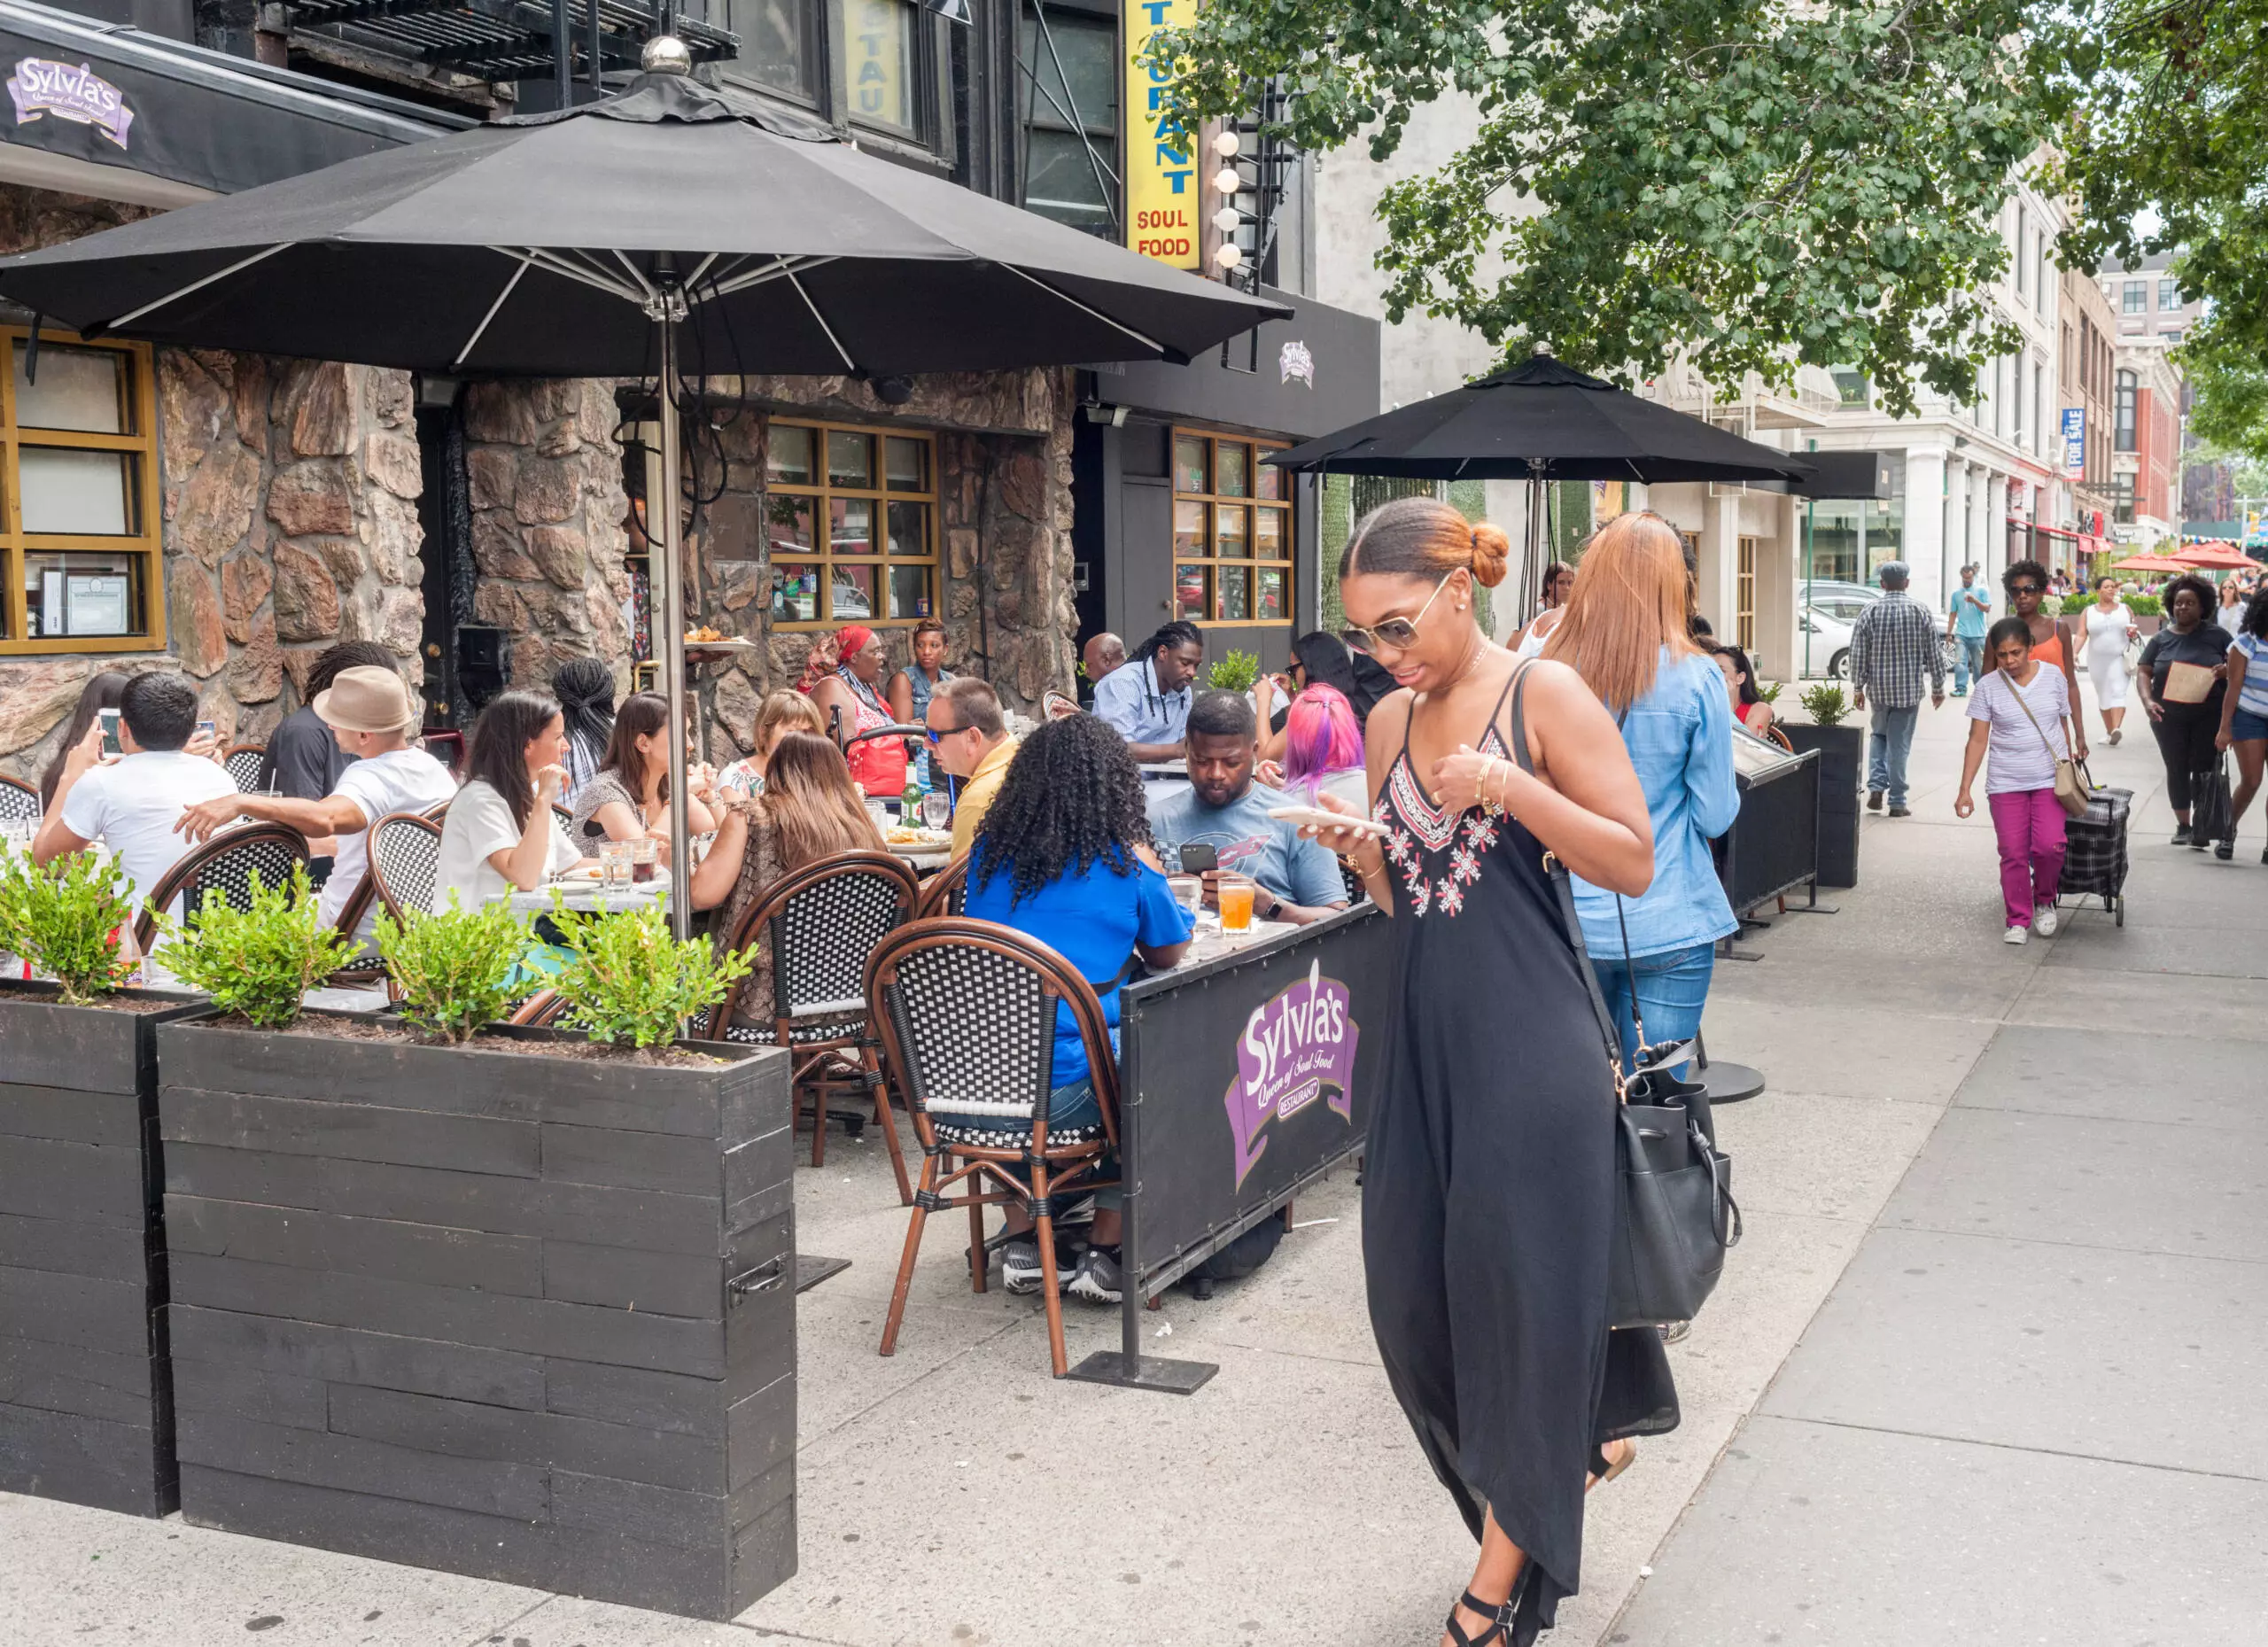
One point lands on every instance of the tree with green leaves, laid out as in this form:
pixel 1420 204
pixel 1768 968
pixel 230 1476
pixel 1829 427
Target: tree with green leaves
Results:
pixel 1750 183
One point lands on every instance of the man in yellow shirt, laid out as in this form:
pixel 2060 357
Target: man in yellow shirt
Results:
pixel 968 737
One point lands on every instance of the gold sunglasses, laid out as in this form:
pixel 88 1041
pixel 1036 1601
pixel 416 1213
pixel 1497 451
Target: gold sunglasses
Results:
pixel 1397 634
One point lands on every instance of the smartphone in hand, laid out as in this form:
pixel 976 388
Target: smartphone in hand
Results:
pixel 109 719
pixel 1198 857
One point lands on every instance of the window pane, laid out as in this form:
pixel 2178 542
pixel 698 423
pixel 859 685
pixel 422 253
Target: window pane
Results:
pixel 908 464
pixel 909 529
pixel 1236 531
pixel 851 526
pixel 1270 545
pixel 1189 471
pixel 1234 464
pixel 1192 592
pixel 791 521
pixel 772 44
pixel 1271 593
pixel 75 494
pixel 795 593
pixel 909 591
pixel 77 388
pixel 878 53
pixel 1061 180
pixel 1235 593
pixel 849 459
pixel 1188 528
pixel 1266 480
pixel 850 594
pixel 787 456
pixel 82 595
pixel 1086 51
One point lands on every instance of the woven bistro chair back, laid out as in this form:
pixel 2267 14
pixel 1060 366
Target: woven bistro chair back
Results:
pixel 968 1011
pixel 405 862
pixel 945 893
pixel 242 762
pixel 225 864
pixel 19 802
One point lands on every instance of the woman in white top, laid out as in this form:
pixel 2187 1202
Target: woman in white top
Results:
pixel 2104 630
pixel 501 832
pixel 2018 712
pixel 1558 584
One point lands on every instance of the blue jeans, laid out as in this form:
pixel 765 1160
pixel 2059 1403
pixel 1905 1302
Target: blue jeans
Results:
pixel 1968 662
pixel 1887 748
pixel 1076 1105
pixel 1669 988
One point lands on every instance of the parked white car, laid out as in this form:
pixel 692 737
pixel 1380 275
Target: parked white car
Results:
pixel 1823 643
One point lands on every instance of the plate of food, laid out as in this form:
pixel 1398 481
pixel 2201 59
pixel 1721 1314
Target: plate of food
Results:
pixel 927 840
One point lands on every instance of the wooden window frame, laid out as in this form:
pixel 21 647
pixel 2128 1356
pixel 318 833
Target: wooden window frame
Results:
pixel 147 542
pixel 1215 438
pixel 1745 595
pixel 822 493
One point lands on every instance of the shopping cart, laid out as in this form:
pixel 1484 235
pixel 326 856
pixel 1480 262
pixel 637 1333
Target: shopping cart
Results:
pixel 2094 852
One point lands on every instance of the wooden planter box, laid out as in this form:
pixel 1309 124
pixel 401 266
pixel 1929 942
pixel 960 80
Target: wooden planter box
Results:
pixel 86 1405
pixel 527 1319
pixel 1842 769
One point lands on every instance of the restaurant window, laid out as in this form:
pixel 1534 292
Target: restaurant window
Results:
pixel 2136 297
pixel 79 543
pixel 2122 499
pixel 851 521
pixel 779 46
pixel 1067 85
pixel 2169 294
pixel 2122 413
pixel 1852 387
pixel 1231 532
pixel 880 64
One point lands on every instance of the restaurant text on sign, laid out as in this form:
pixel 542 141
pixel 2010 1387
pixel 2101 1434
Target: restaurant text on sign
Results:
pixel 1162 192
pixel 1297 1047
pixel 71 92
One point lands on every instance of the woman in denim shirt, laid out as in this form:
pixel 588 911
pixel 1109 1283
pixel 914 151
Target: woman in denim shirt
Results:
pixel 1625 633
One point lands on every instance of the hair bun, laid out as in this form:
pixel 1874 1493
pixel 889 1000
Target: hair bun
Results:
pixel 1491 548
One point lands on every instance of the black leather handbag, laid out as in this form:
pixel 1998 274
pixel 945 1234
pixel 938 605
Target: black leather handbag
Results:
pixel 1676 1215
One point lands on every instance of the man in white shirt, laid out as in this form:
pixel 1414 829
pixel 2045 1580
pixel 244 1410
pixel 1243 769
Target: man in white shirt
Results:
pixel 130 803
pixel 369 711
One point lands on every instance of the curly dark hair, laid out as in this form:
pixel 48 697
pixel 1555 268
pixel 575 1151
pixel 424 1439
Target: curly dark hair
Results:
pixel 2254 621
pixel 1072 799
pixel 2024 571
pixel 2209 599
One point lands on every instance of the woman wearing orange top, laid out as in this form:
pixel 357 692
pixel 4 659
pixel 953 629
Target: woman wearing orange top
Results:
pixel 2051 640
pixel 841 675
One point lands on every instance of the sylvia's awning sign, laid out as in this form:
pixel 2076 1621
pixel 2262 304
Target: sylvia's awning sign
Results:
pixel 73 92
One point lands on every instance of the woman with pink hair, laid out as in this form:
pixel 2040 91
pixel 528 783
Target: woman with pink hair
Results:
pixel 1322 748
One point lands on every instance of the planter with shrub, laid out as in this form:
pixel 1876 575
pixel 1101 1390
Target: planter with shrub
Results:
pixel 511 1302
pixel 86 1406
pixel 1841 771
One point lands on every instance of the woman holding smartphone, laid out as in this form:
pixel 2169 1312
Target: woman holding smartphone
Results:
pixel 1489 1194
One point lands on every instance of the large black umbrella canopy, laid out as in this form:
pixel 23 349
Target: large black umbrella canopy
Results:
pixel 673 226
pixel 1541 420
pixel 532 247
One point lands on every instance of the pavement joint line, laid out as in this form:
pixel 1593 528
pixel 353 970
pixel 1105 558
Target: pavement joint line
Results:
pixel 2085 1246
pixel 505 1628
pixel 2074 1115
pixel 2012 1447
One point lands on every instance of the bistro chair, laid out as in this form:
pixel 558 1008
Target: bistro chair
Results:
pixel 438 811
pixel 967 1011
pixel 225 864
pixel 1055 706
pixel 540 1010
pixel 242 762
pixel 945 893
pixel 404 859
pixel 19 802
pixel 811 933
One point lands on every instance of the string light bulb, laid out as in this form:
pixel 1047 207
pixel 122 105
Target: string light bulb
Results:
pixel 1226 181
pixel 1226 220
pixel 1228 255
pixel 1226 144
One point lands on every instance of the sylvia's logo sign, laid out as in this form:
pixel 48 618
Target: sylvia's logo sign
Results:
pixel 73 93
pixel 1298 1046
pixel 1295 360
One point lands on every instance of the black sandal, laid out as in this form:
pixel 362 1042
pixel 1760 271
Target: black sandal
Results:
pixel 1499 1615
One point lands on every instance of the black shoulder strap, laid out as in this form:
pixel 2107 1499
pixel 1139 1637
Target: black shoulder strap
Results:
pixel 1563 891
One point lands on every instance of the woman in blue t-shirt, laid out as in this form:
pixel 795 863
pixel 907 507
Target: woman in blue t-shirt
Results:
pixel 2244 713
pixel 1064 856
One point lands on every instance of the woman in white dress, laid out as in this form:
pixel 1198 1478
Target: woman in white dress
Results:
pixel 2104 630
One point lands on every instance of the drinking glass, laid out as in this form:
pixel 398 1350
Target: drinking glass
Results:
pixel 936 809
pixel 613 865
pixel 879 813
pixel 1235 893
pixel 645 853
pixel 1188 892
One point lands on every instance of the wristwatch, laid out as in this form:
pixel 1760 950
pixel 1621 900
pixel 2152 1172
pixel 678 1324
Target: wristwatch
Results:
pixel 1274 903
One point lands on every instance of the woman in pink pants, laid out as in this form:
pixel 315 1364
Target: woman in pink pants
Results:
pixel 2018 712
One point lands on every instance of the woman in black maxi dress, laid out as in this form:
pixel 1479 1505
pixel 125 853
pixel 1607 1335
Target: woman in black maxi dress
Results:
pixel 1489 1187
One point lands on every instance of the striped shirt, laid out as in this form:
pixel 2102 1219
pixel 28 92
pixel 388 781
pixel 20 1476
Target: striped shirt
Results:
pixel 2254 699
pixel 1893 643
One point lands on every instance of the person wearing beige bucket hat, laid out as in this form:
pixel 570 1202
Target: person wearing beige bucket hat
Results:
pixel 372 714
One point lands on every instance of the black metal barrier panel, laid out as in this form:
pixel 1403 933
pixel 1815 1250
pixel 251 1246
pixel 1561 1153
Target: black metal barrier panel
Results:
pixel 1243 1078
pixel 1773 847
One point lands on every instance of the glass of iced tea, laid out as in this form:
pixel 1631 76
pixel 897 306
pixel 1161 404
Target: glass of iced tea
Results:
pixel 645 852
pixel 1235 893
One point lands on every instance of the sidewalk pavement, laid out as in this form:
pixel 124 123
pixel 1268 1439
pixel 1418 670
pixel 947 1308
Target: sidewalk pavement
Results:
pixel 2033 1438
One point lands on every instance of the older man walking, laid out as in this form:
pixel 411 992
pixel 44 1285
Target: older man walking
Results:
pixel 1893 643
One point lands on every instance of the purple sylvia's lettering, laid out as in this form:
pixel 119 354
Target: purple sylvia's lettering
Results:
pixel 1297 1047
pixel 71 92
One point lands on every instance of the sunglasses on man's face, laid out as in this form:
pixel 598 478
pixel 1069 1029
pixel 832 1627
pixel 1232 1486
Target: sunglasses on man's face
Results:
pixel 938 734
pixel 1395 634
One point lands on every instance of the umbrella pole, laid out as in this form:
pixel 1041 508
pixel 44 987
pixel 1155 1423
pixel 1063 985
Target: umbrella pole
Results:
pixel 1532 554
pixel 671 650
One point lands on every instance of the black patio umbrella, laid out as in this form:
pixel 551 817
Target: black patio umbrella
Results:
pixel 674 223
pixel 1541 421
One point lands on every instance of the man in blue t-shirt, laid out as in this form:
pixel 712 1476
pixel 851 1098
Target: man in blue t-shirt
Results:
pixel 1969 615
pixel 1297 880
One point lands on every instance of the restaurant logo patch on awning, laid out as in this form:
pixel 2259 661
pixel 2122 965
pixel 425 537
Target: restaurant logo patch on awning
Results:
pixel 1297 1047
pixel 70 92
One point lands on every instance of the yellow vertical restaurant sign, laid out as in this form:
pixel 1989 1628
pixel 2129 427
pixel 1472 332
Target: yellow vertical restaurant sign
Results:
pixel 877 49
pixel 1163 189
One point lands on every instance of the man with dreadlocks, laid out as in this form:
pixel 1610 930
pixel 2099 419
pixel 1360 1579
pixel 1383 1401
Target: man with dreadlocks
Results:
pixel 1064 856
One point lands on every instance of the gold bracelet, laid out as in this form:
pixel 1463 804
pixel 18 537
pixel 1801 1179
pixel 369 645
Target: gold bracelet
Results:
pixel 1503 791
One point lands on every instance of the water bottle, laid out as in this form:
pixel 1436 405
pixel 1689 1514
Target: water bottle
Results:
pixel 921 767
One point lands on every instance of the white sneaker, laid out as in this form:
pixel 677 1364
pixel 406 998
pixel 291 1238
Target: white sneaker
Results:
pixel 2043 920
pixel 2016 935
